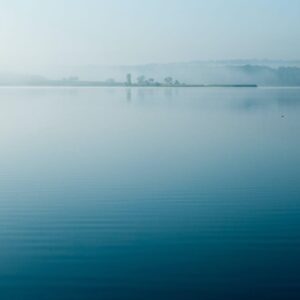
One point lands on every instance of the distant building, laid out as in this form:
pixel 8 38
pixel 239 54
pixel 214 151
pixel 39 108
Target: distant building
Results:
pixel 128 79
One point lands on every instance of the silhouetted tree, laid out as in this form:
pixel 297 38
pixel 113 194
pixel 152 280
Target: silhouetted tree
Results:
pixel 141 80
pixel 151 81
pixel 169 80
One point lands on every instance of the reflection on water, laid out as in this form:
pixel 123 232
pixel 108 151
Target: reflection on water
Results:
pixel 149 193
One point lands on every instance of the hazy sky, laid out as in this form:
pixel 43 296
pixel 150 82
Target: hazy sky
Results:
pixel 79 32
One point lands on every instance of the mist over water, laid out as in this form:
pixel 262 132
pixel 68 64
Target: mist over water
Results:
pixel 149 150
pixel 145 193
pixel 57 33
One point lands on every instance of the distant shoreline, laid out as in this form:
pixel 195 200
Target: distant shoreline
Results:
pixel 104 85
pixel 141 81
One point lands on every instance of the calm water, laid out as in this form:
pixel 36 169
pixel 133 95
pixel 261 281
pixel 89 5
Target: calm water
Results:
pixel 149 193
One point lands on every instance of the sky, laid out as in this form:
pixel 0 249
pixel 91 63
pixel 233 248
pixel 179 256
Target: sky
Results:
pixel 126 32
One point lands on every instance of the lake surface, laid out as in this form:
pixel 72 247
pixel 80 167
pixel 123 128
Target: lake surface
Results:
pixel 151 193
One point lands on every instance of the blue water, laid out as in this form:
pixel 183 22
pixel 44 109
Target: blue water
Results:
pixel 181 193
